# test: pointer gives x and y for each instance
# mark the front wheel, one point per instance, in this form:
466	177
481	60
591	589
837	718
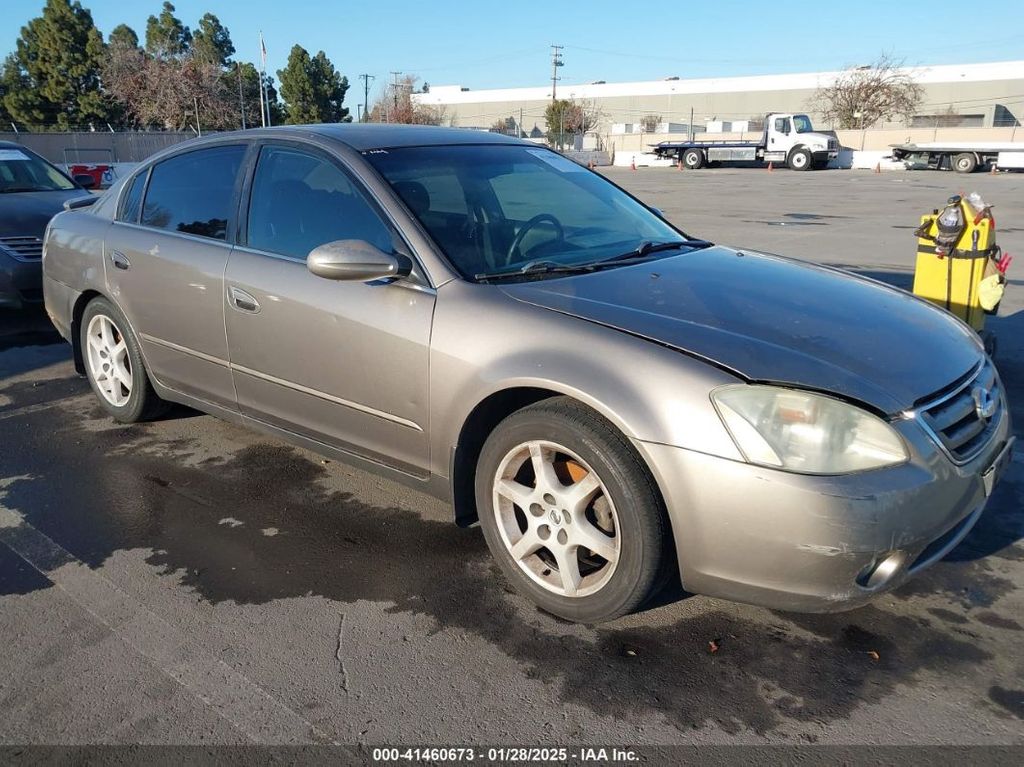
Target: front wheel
799	159
114	366
571	514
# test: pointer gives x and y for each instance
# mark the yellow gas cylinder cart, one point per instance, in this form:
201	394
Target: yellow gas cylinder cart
959	266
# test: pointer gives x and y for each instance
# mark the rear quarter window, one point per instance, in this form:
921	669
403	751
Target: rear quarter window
131	202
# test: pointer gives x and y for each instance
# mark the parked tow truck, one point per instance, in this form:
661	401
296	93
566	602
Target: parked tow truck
787	138
965	157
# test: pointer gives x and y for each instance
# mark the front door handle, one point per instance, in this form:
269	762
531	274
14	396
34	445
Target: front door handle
120	260
243	301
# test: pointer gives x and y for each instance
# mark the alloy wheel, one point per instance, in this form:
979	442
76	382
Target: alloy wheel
109	363
556	518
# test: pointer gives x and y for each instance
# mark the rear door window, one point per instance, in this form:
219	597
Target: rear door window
194	193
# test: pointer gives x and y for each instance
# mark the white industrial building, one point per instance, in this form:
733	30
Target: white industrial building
956	95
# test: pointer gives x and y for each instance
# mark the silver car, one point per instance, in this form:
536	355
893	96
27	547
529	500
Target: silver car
615	402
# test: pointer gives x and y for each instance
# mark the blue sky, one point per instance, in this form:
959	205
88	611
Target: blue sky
505	44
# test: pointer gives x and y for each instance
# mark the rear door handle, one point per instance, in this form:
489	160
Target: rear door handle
243	301
120	260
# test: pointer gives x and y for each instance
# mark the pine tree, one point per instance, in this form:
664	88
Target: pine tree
53	78
211	42
166	36
124	36
313	89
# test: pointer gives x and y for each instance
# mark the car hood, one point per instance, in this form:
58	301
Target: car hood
26	214
773	319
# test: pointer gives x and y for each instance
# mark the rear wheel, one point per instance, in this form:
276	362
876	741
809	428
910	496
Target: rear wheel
965	162
799	159
571	514
114	366
693	159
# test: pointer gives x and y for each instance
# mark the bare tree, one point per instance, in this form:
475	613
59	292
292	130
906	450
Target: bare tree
589	115
859	97
650	123
396	105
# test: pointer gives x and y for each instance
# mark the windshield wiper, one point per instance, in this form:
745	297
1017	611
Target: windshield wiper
647	247
637	255
534	267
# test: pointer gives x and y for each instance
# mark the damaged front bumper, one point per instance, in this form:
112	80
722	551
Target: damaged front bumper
819	543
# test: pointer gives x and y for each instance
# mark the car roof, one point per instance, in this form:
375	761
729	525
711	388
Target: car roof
365	136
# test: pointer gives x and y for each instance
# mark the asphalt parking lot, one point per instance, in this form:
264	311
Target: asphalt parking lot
186	581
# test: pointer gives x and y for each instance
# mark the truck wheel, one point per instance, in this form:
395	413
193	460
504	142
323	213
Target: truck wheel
965	163
799	159
693	159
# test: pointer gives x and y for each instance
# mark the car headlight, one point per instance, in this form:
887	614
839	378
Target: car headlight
805	432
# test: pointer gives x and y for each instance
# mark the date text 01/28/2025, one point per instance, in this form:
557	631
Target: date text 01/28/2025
504	754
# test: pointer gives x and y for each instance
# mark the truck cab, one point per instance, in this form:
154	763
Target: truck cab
791	138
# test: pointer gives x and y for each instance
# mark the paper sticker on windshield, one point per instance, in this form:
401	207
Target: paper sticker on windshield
7	155
555	160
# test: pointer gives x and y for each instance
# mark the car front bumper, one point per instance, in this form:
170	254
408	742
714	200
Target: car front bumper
21	282
812	543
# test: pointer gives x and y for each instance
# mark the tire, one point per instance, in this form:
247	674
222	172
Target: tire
965	162
799	159
534	528
114	366
693	159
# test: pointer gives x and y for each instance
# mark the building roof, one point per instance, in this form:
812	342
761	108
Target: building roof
952	73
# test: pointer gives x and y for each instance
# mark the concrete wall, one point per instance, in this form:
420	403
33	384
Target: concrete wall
97	147
866	139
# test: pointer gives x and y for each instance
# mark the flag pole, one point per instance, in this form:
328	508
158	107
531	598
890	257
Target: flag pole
264	96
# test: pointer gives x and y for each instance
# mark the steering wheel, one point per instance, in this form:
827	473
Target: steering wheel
540	218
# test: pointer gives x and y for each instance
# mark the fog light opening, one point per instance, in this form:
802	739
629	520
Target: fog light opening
882	570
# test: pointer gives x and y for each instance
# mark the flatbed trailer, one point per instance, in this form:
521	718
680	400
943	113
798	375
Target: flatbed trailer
961	157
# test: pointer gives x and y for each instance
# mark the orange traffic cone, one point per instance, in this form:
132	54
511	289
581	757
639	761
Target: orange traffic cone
769	167
993	171
632	164
679	164
878	167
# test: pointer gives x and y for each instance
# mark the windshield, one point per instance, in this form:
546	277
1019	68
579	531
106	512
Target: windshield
802	123
500	208
23	172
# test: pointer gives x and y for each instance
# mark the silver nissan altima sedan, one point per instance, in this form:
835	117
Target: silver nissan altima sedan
616	403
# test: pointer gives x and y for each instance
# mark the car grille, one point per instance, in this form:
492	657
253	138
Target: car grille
23	248
833	144
955	419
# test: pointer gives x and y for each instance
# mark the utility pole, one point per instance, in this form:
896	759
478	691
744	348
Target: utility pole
556	62
241	101
366	94
394	90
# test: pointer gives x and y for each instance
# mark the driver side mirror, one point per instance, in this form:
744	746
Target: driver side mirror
355	261
658	212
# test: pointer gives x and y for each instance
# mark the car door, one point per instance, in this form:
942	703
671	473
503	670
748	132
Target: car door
165	258
344	363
